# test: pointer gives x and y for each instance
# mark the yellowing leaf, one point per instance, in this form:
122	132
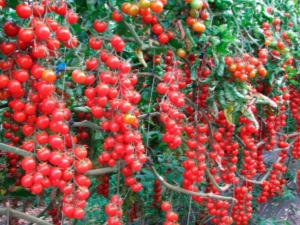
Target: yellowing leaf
140	56
228	113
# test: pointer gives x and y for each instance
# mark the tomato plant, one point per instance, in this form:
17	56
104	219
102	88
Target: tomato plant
107	104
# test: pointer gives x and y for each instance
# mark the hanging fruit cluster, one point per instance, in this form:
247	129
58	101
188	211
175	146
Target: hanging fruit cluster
246	66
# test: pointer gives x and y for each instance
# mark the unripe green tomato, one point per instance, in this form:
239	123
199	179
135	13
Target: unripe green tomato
273	44
196	4
193	13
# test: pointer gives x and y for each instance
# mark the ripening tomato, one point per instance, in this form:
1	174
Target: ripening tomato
78	76
262	71
144	4
49	76
156	6
133	10
204	15
181	53
198	27
125	7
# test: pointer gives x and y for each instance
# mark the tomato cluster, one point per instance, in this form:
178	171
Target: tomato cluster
172	101
246	66
242	211
250	153
114	211
195	164
103	188
273	185
144	8
171	217
197	15
219	210
133	213
295	106
157	194
226	148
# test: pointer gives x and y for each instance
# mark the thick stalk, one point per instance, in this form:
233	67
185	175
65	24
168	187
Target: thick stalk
18	151
181	190
24	216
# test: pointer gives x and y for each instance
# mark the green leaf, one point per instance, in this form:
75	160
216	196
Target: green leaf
194	69
215	41
249	115
262	99
84	109
172	2
238	96
228	93
20	192
291	73
222	100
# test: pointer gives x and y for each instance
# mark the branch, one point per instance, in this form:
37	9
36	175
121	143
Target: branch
148	115
280	149
43	212
24	216
226	187
181	190
18	151
115	168
105	170
239	140
145	74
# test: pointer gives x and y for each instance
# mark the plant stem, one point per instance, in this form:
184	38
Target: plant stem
42	213
18	151
24	216
181	190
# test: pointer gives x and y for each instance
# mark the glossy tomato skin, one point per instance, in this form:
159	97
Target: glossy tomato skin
100	26
116	15
24	11
11	29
